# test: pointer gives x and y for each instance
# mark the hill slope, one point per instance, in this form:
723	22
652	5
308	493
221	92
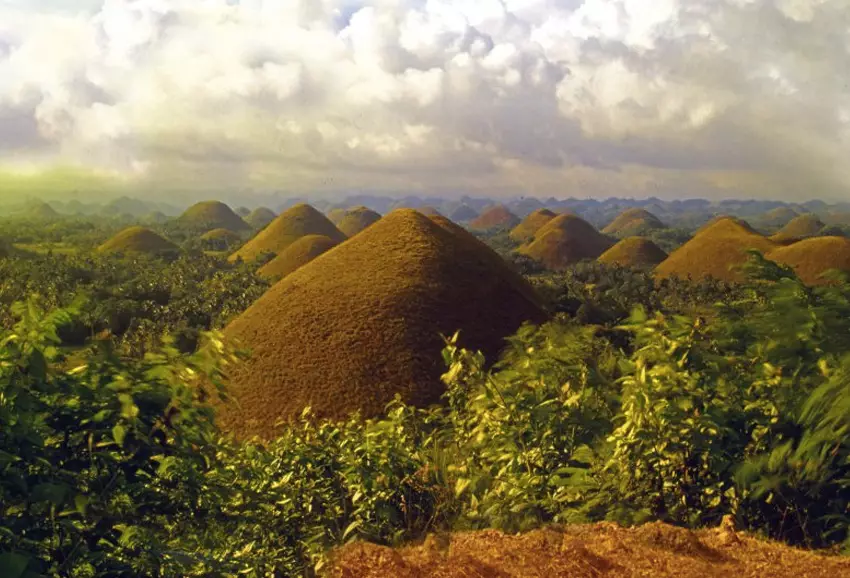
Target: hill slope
138	240
565	240
288	227
362	322
812	257
634	252
531	224
715	251
296	255
209	215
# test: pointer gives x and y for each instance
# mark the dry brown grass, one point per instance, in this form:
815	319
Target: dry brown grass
602	550
564	241
336	215
362	322
296	255
288	227
260	217
634	252
717	250
498	217
632	221
138	240
531	224
208	215
463	214
799	227
810	258
357	219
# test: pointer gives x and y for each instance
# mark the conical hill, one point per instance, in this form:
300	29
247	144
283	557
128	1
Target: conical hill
564	241
288	227
632	222
810	258
799	227
634	252
208	215
260	217
357	219
362	323
138	240
531	224
717	250
498	217
296	255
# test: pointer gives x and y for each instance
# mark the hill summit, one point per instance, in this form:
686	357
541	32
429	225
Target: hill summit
565	240
716	251
362	322
799	227
288	227
138	240
531	224
208	215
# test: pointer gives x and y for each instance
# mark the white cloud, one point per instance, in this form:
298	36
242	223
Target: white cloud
532	96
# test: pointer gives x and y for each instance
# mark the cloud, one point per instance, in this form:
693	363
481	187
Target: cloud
563	97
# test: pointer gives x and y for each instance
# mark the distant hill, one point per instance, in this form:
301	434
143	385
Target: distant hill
260	217
799	227
498	217
633	222
356	219
296	255
462	214
564	241
288	227
634	252
531	224
138	240
210	215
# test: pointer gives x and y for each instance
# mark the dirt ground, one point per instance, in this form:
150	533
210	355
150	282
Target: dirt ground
589	551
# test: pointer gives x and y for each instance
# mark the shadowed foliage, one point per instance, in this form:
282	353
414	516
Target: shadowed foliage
209	215
634	252
357	219
717	250
288	227
800	227
138	240
297	254
260	217
498	217
810	258
362	323
531	224
564	241
633	222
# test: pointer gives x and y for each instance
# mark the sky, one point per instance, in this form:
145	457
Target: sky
581	98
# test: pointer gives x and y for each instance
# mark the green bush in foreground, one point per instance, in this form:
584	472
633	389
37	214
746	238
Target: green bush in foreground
115	468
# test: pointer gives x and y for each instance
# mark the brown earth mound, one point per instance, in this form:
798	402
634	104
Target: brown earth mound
288	227
799	228
566	240
632	222
260	217
634	252
602	550
810	258
723	218
209	215
716	251
357	219
296	255
138	240
463	214
531	224
362	322
498	217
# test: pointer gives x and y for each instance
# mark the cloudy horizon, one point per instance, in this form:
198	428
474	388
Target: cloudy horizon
564	98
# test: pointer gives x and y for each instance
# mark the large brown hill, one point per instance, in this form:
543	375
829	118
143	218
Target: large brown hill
208	215
296	255
357	219
498	217
799	227
531	224
288	227
717	250
810	258
138	240
564	241
362	322
634	252
633	222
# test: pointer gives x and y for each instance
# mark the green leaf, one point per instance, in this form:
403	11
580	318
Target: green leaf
13	565
118	434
